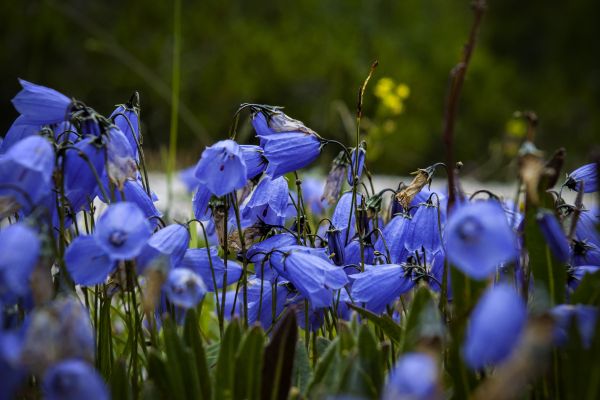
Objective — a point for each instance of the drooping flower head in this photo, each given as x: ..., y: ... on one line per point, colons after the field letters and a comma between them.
x: 268, y: 202
x: 74, y: 379
x: 211, y: 270
x: 495, y: 327
x: 478, y: 239
x: 586, y: 175
x: 87, y: 262
x: 40, y: 104
x: 354, y: 168
x: 256, y: 163
x: 184, y: 288
x: 126, y: 118
x: 287, y: 143
x: 585, y: 317
x: 20, y: 249
x: 122, y: 230
x: 424, y: 229
x: 554, y: 235
x: 414, y: 377
x: 121, y: 159
x: 335, y: 178
x: 222, y: 168
x: 168, y: 244
x: 380, y: 285
x: 19, y: 130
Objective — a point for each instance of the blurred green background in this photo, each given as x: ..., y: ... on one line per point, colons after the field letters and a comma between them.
x: 311, y: 56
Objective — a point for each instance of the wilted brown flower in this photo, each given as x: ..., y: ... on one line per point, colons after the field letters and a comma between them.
x: 422, y: 178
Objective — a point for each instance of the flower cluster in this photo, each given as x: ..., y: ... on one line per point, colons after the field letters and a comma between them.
x: 86, y: 255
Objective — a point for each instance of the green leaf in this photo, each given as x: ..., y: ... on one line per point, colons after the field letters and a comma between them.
x: 194, y: 341
x: 157, y: 371
x: 224, y: 377
x: 181, y: 366
x: 323, y: 366
x: 588, y: 291
x: 279, y: 358
x: 120, y: 387
x: 387, y: 324
x: 371, y: 360
x: 302, y: 372
x: 423, y: 320
x: 248, y: 365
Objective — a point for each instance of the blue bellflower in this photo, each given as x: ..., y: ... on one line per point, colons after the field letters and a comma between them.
x: 313, y: 276
x: 222, y: 168
x: 424, y: 230
x: 122, y: 230
x: 20, y: 249
x: 126, y: 118
x: 121, y: 161
x: 586, y: 175
x: 495, y: 327
x: 268, y: 202
x: 26, y: 172
x: 198, y: 261
x: 585, y: 317
x: 361, y: 163
x: 19, y: 130
x: 414, y: 377
x: 478, y: 239
x: 256, y: 163
x: 74, y: 380
x: 88, y: 264
x: 40, y: 104
x: 554, y: 235
x: 380, y: 285
x: 287, y: 152
x: 184, y: 288
x: 394, y: 237
x: 79, y: 177
x: 168, y: 244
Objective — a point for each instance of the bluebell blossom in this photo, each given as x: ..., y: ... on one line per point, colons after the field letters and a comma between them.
x: 187, y: 176
x: 122, y: 230
x: 168, y: 244
x: 380, y: 285
x: 586, y: 175
x: 200, y: 202
x: 495, y: 327
x: 268, y: 202
x: 577, y: 273
x: 479, y: 239
x: 61, y: 329
x: 313, y: 276
x: 88, y: 264
x: 585, y: 317
x: 394, y: 237
x: 312, y: 191
x: 585, y: 229
x: 353, y: 165
x: 26, y: 172
x: 335, y: 245
x: 424, y: 230
x: 184, y: 288
x: 198, y: 261
x: 40, y: 104
x: 585, y: 252
x: 335, y: 178
x: 258, y: 253
x: 74, y: 380
x: 121, y: 160
x: 256, y: 163
x: 275, y: 122
x: 554, y: 235
x: 287, y: 152
x: 20, y: 249
x: 19, y: 130
x: 352, y: 253
x: 222, y: 168
x: 126, y: 118
x: 12, y: 371
x: 261, y: 308
x: 316, y: 316
x: 414, y: 377
x: 79, y: 178
x: 341, y: 215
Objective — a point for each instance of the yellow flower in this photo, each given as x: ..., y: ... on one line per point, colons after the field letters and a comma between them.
x: 384, y: 87
x: 403, y: 91
x: 393, y: 103
x: 516, y: 128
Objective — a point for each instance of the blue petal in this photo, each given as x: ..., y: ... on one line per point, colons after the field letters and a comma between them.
x: 188, y: 177
x: 380, y: 285
x: 19, y: 130
x: 394, y: 237
x: 121, y: 160
x: 73, y: 380
x: 197, y: 260
x: 424, y: 230
x: 495, y: 327
x: 554, y: 235
x: 414, y: 376
x: 40, y: 104
x: 184, y: 288
x: 169, y: 243
x: 122, y: 231
x: 222, y: 168
x: 586, y: 175
x: 255, y: 161
x: 268, y: 202
x: 127, y: 120
x: 287, y: 152
x: 200, y: 202
x: 20, y: 249
x: 87, y: 263
x: 79, y: 177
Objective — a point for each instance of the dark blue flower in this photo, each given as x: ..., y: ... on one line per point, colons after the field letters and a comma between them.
x: 268, y: 202
x: 26, y: 172
x: 585, y: 229
x: 12, y: 371
x: 198, y: 261
x: 313, y: 276
x: 256, y: 163
x: 335, y: 245
x: 424, y: 230
x: 361, y: 163
x: 222, y: 168
x: 379, y: 285
x: 121, y: 161
x: 352, y: 253
x: 79, y: 177
x: 394, y: 237
x: 88, y: 263
x: 287, y: 152
x: 19, y: 130
x: 312, y: 193
x: 341, y: 215
x: 126, y: 117
x: 479, y: 239
x: 264, y: 304
x: 586, y: 175
x: 495, y: 327
x: 20, y: 249
x: 168, y: 244
x: 188, y: 177
x: 122, y: 231
x: 74, y: 380
x: 40, y: 104
x: 184, y: 288
x: 584, y: 315
x: 554, y: 235
x: 414, y: 377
